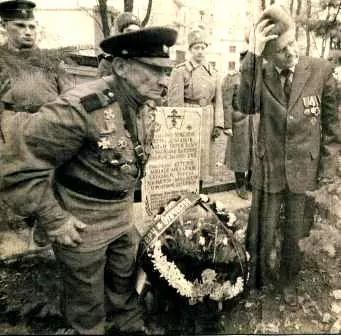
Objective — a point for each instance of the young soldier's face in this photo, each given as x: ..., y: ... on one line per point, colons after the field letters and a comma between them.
x: 198, y: 52
x: 22, y: 34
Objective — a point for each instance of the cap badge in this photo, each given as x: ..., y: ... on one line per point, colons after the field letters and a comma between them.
x: 165, y: 48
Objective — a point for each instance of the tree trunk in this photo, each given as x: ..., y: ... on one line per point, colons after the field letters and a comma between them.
x: 291, y: 7
x: 307, y: 29
x: 298, y: 12
x: 103, y: 12
x: 307, y: 48
x: 128, y: 5
x: 262, y: 4
x: 149, y: 11
x: 325, y: 37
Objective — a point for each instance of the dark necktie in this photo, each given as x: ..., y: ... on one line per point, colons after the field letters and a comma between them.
x: 286, y: 73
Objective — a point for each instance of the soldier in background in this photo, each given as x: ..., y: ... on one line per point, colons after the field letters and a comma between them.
x: 35, y: 76
x: 95, y: 141
x: 30, y: 77
x: 239, y: 155
x: 195, y: 83
x: 126, y: 22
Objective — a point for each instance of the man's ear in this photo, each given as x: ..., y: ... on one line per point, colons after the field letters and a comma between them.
x: 3, y: 24
x: 120, y: 66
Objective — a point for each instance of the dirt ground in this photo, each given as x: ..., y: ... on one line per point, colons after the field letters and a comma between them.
x: 29, y: 304
x: 29, y: 289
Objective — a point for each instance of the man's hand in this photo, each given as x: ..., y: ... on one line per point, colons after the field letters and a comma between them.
x: 228, y: 131
x: 68, y: 233
x: 259, y: 36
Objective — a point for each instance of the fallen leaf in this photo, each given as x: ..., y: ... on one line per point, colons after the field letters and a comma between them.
x: 336, y: 327
x: 326, y: 318
x: 336, y: 308
x: 300, y: 299
x: 249, y: 304
x: 337, y: 294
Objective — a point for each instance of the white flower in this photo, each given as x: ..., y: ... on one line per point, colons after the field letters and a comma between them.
x: 204, y: 198
x: 202, y: 240
x: 247, y: 256
x: 189, y: 233
x: 225, y: 240
x: 104, y: 143
x: 232, y: 218
x: 220, y: 205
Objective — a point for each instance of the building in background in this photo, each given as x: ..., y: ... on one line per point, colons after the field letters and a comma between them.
x: 77, y: 23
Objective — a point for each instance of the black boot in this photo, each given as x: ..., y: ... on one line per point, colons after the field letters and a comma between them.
x: 241, y: 185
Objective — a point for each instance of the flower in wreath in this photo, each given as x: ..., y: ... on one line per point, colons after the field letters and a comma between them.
x: 189, y: 250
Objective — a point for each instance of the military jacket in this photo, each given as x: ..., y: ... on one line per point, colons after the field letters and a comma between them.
x: 33, y: 78
x: 82, y: 137
x: 196, y: 85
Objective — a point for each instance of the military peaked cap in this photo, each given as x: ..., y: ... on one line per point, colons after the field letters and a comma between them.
x: 148, y: 45
x: 17, y: 10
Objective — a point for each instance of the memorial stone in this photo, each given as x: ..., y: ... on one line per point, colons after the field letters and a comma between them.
x: 174, y: 163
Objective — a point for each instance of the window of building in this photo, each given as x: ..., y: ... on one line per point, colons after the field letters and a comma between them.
x: 232, y: 65
x: 232, y: 49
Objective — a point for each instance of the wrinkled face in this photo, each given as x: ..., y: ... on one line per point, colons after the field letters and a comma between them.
x: 198, y: 52
x: 283, y: 55
x: 149, y: 80
x: 22, y: 34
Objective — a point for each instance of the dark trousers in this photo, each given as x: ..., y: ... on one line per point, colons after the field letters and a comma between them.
x: 263, y: 221
x: 100, y: 283
x: 243, y: 178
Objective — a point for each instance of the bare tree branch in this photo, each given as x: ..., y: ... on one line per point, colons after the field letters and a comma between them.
x: 148, y: 13
x: 90, y: 13
x: 307, y: 29
x: 103, y: 12
x: 291, y: 7
x: 298, y: 12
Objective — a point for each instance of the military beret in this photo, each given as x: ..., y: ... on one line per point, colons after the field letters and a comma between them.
x: 281, y: 18
x: 149, y: 45
x: 126, y: 19
x: 17, y: 10
x: 197, y: 36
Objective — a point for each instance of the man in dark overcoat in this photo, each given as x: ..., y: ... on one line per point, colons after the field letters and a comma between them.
x: 296, y: 98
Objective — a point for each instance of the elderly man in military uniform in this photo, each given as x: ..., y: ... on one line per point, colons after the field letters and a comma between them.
x: 296, y: 98
x: 195, y: 83
x: 95, y: 140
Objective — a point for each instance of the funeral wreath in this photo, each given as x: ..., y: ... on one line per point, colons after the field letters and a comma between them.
x: 194, y: 250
